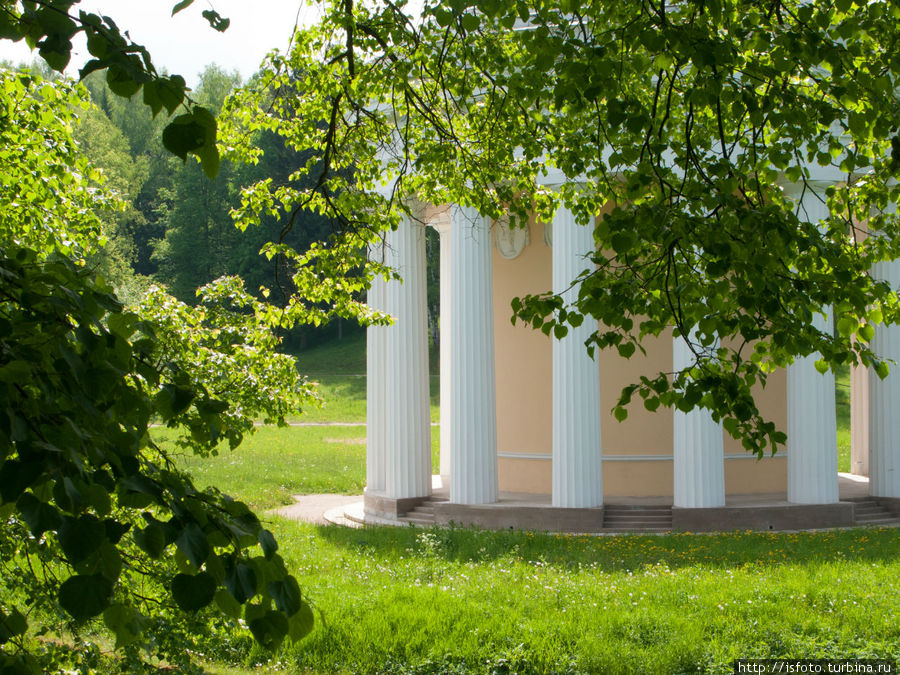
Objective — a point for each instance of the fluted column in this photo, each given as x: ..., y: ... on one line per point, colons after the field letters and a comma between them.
x: 577, y: 459
x: 859, y: 420
x: 473, y: 414
x: 398, y: 394
x: 375, y: 387
x: 884, y: 401
x: 698, y: 449
x: 811, y: 425
x: 443, y: 229
x: 812, y: 431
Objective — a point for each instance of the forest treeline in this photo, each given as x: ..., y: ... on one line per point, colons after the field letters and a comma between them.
x: 174, y: 227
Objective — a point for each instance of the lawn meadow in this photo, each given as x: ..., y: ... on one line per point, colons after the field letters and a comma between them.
x: 404, y: 600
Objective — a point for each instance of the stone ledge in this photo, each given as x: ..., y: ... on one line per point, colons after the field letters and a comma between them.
x: 762, y: 517
x: 501, y: 516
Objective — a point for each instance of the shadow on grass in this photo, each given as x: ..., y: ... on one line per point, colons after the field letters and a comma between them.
x: 618, y: 553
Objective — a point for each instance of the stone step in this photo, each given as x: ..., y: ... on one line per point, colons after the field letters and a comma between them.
x: 636, y: 526
x: 639, y: 516
x: 889, y: 520
x: 868, y: 506
x: 869, y: 512
x: 635, y: 530
x: 636, y: 518
x: 424, y: 522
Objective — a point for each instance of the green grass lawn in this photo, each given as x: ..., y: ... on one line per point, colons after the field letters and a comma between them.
x: 452, y: 601
x: 275, y: 463
x: 398, y: 600
x: 339, y: 368
x: 842, y: 397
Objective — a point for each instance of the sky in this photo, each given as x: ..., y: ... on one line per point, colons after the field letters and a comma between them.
x: 185, y: 43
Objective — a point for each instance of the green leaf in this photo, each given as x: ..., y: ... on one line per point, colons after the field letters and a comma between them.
x: 173, y: 400
x: 209, y: 159
x: 85, y: 596
x: 847, y: 326
x: 125, y: 623
x: 620, y: 413
x: 470, y: 22
x: 183, y: 135
x: 286, y: 594
x: 171, y: 92
x: 55, y: 53
x: 626, y: 349
x: 301, y: 623
x: 225, y: 601
x: 81, y: 536
x: 193, y: 592
x: 122, y: 82
x: 16, y: 476
x: 241, y: 582
x: 217, y: 22
x: 9, y: 27
x: 152, y: 98
x: 38, y: 515
x: 268, y: 543
x: 622, y: 242
x: 270, y: 629
x: 184, y: 4
x: 193, y: 543
x: 822, y: 366
x: 11, y: 625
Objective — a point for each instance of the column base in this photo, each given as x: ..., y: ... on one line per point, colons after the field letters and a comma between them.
x: 378, y: 505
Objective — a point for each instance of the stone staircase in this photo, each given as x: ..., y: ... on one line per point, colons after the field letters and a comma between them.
x: 868, y: 511
x: 622, y: 518
x: 422, y: 515
x: 616, y: 518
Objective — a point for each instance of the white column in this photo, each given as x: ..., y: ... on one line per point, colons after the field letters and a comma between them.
x: 859, y: 420
x: 812, y: 430
x: 698, y: 449
x: 811, y: 424
x: 443, y: 229
x: 473, y: 414
x: 375, y: 387
x: 398, y: 394
x: 577, y: 459
x: 884, y: 401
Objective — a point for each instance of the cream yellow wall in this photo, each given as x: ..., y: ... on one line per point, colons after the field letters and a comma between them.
x: 642, y: 432
x: 524, y: 402
x: 769, y: 475
x: 748, y: 475
x: 522, y: 355
x: 636, y: 479
x: 518, y: 474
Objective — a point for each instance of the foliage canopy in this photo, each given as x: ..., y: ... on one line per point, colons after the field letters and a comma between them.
x: 703, y: 128
x: 96, y: 521
x: 50, y: 26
